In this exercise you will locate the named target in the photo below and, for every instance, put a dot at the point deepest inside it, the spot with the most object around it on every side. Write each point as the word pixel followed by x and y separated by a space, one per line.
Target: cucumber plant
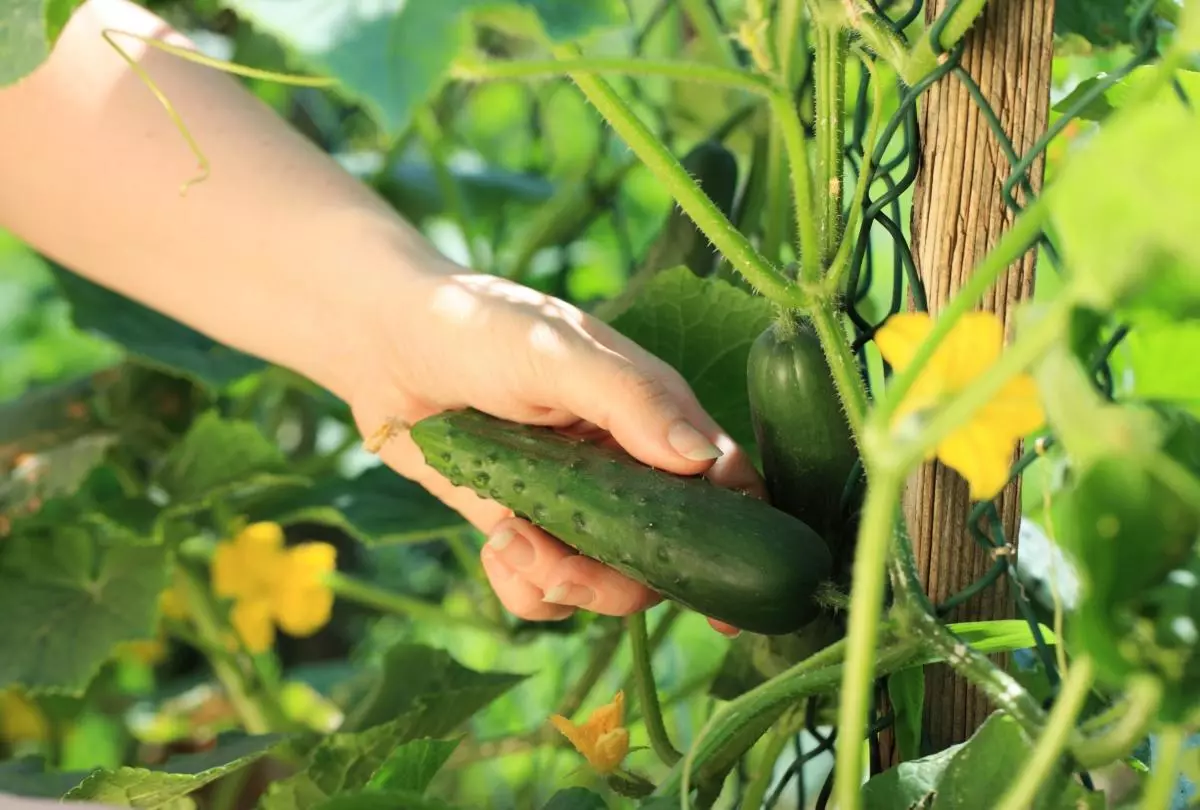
pixel 714 188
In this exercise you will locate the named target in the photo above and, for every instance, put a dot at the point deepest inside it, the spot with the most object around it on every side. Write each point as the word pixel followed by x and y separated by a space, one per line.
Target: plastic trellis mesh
pixel 897 175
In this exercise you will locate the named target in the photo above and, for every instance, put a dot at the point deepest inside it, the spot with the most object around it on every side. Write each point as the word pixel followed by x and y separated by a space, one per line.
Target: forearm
pixel 275 253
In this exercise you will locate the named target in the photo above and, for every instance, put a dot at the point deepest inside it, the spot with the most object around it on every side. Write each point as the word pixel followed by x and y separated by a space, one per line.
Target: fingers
pixel 560 575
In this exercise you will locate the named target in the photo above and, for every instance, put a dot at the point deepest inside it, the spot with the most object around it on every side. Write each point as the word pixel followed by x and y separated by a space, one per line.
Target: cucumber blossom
pixel 808 452
pixel 714 550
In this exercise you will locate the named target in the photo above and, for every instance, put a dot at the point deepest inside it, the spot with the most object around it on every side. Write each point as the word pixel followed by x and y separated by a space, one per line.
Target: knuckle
pixel 639 384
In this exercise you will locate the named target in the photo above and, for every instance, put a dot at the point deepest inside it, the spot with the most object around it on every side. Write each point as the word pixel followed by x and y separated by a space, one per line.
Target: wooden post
pixel 958 215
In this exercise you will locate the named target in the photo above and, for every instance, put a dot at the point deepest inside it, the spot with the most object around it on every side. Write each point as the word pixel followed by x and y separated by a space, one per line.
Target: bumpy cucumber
pixel 710 549
pixel 808 452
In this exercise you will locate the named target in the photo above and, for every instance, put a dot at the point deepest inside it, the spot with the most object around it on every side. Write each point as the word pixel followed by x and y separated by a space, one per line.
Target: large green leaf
pixel 412 766
pixel 383 800
pixel 436 692
pixel 159 788
pixel 704 328
pixel 67 601
pixel 392 56
pixel 972 774
pixel 376 506
pixel 1126 210
pixel 28 31
pixel 217 454
pixel 1119 92
pixel 575 798
pixel 28 776
pixel 906 691
pixel 151 337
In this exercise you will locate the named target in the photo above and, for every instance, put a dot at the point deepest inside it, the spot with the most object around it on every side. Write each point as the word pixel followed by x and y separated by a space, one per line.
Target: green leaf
pixel 217 454
pixel 392 56
pixel 376 506
pixel 999 636
pixel 971 774
pixel 906 691
pixel 67 600
pixel 1126 210
pixel 159 788
pixel 704 329
pixel 430 687
pixel 1100 22
pixel 28 777
pixel 1121 91
pixel 575 798
pixel 28 31
pixel 151 337
pixel 412 766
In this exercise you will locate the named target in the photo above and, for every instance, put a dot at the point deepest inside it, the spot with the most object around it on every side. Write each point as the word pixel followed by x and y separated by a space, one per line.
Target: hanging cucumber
pixel 808 452
pixel 716 551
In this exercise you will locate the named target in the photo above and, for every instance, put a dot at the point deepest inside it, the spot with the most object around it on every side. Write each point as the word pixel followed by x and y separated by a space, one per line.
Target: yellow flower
pixel 273 585
pixel 172 604
pixel 980 450
pixel 601 739
pixel 21 719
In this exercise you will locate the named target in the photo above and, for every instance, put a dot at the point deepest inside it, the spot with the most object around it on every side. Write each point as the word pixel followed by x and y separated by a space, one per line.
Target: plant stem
pixel 1165 770
pixel 643 676
pixel 788 22
pixel 427 127
pixel 775 213
pixel 921 59
pixel 866 604
pixel 1011 247
pixel 1046 753
pixel 842 366
pixel 841 260
pixel 363 593
pixel 253 715
pixel 708 29
pixel 831 45
pixel 682 187
pixel 756 791
pixel 1144 697
pixel 679 69
pixel 795 142
pixel 603 650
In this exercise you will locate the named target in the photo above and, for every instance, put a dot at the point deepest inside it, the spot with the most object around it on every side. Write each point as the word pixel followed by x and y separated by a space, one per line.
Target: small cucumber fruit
pixel 808 452
pixel 714 550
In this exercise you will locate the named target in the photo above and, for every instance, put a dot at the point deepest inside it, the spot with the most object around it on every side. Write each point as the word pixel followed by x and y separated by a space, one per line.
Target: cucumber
pixel 808 451
pixel 714 550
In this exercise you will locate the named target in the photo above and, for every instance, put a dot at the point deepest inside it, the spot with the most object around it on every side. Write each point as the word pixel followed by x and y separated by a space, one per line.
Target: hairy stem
pixel 643 676
pixel 922 59
pixel 736 248
pixel 794 141
pixel 866 605
pixel 831 42
pixel 1044 757
pixel 842 366
pixel 679 69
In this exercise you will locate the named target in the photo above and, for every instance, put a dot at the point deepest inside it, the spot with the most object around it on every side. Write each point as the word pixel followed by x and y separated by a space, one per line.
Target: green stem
pixel 657 637
pixel 708 29
pixel 866 604
pixel 756 791
pixel 643 676
pixel 1019 356
pixel 603 651
pixel 921 59
pixel 252 713
pixel 678 69
pixel 1011 247
pixel 795 142
pixel 681 186
pixel 788 23
pixel 1144 696
pixel 841 261
pixel 831 46
pixel 1164 773
pixel 363 593
pixel 842 366
pixel 877 33
pixel 1045 756
pixel 776 211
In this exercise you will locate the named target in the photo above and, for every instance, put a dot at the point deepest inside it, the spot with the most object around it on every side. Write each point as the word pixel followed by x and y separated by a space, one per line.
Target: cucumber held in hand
pixel 716 551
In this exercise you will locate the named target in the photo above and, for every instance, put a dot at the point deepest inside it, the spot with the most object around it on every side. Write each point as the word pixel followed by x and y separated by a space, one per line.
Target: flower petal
pixel 608 717
pixel 1017 409
pixel 579 736
pixel 900 335
pixel 302 611
pixel 610 750
pixel 970 349
pixel 309 562
pixel 980 456
pixel 252 620
pixel 246 565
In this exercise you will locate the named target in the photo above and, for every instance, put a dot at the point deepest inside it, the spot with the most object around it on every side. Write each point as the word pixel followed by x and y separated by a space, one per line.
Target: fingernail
pixel 514 549
pixel 690 443
pixel 570 595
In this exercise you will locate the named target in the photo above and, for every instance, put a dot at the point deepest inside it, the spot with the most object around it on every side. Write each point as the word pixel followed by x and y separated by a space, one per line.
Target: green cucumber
pixel 714 550
pixel 808 451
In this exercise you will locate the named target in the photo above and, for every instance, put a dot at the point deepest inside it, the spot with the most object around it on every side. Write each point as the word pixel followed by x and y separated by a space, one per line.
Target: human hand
pixel 480 341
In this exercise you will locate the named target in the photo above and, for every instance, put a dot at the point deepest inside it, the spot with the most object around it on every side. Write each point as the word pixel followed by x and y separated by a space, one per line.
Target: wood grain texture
pixel 958 216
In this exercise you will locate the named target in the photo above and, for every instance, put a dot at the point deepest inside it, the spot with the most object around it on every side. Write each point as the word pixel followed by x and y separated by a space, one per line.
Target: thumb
pixel 650 411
